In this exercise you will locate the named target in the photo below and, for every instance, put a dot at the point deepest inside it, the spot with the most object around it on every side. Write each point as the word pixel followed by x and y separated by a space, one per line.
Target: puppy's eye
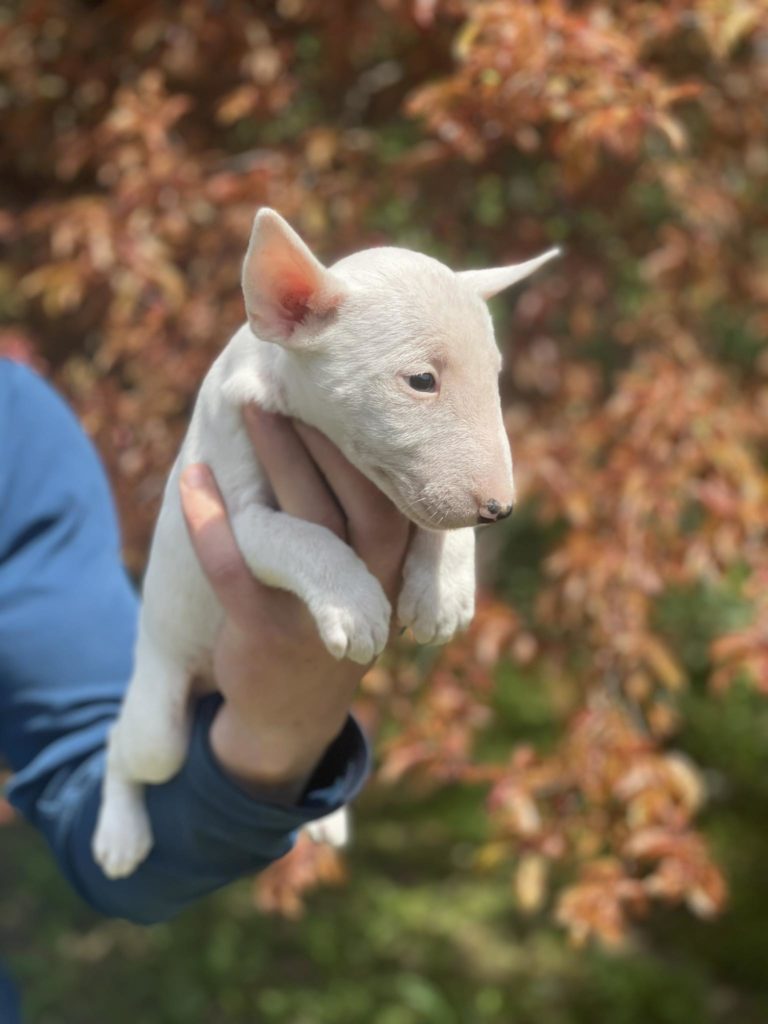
pixel 423 382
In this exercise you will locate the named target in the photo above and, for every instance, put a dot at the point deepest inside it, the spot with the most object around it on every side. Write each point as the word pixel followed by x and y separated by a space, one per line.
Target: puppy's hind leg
pixel 123 835
pixel 147 744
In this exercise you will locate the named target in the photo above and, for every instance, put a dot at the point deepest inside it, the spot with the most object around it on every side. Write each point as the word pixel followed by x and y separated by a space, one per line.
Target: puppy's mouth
pixel 416 509
pixel 409 497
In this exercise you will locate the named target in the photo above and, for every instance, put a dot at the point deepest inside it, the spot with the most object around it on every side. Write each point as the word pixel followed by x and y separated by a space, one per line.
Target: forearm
pixel 248 763
pixel 272 753
pixel 208 829
pixel 67 630
pixel 273 727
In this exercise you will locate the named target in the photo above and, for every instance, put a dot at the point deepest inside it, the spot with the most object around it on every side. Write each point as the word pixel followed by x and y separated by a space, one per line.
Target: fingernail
pixel 197 475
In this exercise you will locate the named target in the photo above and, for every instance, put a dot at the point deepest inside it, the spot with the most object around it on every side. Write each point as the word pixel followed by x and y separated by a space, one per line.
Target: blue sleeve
pixel 67 624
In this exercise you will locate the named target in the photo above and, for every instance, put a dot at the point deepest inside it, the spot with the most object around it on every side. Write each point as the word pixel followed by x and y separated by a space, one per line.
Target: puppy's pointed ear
pixel 283 284
pixel 488 283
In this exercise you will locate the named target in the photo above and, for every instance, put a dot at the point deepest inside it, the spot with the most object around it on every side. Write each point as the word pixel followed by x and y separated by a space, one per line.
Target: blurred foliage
pixel 630 595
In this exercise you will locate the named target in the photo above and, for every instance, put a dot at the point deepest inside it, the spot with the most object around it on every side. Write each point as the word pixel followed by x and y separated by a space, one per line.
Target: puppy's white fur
pixel 335 348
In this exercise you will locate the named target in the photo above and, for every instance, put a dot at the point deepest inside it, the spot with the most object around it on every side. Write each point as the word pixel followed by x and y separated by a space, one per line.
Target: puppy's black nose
pixel 491 511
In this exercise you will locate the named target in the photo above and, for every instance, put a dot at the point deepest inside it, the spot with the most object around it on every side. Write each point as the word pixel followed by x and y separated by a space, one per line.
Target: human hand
pixel 285 696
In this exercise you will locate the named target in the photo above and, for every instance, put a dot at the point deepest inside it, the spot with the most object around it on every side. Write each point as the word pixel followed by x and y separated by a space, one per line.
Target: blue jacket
pixel 67 625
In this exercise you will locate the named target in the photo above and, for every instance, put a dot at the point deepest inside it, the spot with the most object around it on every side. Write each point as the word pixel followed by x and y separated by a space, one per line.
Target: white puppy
pixel 392 356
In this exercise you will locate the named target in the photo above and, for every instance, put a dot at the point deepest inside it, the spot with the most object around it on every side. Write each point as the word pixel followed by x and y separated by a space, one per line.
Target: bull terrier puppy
pixel 392 356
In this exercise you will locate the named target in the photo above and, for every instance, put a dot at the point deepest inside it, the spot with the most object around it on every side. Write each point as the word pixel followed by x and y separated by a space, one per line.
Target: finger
pixel 241 595
pixel 360 499
pixel 376 529
pixel 298 485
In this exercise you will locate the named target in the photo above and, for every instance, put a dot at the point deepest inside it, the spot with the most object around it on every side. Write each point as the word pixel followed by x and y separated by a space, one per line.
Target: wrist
pixel 269 766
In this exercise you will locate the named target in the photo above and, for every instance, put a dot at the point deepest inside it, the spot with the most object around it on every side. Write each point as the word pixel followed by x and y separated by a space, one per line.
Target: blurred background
pixel 570 819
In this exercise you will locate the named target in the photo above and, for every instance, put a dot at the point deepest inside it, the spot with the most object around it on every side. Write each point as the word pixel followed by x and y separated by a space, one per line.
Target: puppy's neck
pixel 257 371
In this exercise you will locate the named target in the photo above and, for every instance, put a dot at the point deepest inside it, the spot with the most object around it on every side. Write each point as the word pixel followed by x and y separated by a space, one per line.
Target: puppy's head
pixel 392 355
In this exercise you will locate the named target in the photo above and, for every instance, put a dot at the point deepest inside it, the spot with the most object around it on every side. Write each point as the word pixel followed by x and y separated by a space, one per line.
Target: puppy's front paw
pixel 433 608
pixel 354 622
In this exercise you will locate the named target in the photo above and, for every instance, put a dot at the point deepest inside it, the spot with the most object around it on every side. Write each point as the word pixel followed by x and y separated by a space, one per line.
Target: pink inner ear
pixel 295 303
pixel 283 283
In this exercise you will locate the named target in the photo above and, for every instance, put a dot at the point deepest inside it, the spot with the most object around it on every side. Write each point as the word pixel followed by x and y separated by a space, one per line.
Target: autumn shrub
pixel 138 140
